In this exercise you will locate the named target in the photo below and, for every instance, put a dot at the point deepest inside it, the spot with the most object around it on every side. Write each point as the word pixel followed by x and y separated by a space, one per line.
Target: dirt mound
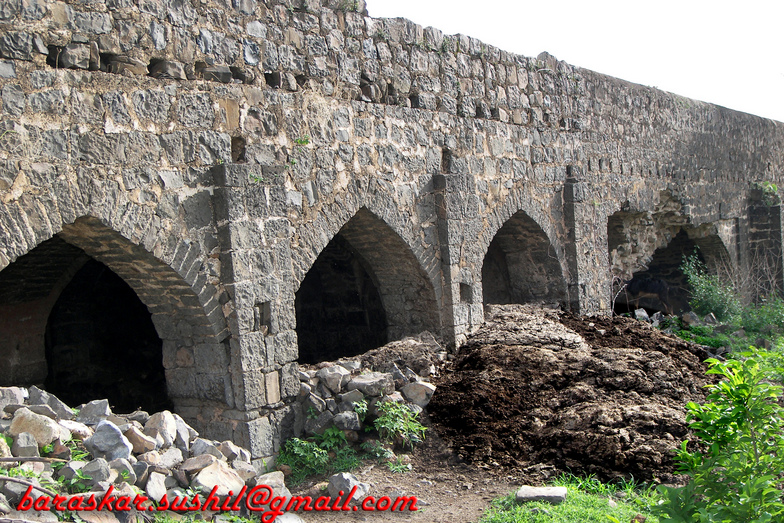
pixel 421 353
pixel 526 390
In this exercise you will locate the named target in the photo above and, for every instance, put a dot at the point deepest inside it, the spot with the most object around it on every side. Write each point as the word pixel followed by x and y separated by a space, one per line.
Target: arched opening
pixel 632 237
pixel 365 288
pixel 665 265
pixel 101 343
pixel 521 265
pixel 339 310
pixel 72 325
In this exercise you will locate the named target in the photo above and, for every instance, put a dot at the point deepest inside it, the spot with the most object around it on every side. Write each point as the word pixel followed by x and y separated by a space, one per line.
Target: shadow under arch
pixel 521 265
pixel 31 286
pixel 365 288
pixel 652 246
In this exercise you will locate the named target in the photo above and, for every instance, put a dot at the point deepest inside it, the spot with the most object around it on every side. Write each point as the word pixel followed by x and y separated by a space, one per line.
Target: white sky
pixel 727 53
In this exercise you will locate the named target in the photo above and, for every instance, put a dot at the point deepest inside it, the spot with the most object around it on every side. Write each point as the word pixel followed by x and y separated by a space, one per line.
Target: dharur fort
pixel 197 196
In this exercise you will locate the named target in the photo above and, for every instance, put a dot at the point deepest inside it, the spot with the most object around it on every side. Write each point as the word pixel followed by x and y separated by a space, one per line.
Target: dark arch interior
pixel 338 306
pixel 521 266
pixel 101 343
pixel 666 265
pixel 69 323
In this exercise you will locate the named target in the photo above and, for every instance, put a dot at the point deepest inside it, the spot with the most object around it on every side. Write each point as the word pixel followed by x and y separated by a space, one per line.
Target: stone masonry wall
pixel 208 151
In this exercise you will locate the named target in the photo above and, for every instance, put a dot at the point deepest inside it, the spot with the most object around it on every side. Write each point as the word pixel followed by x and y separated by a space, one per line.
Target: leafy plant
pixel 78 483
pixel 302 140
pixel 304 457
pixel 346 459
pixel 332 439
pixel 397 422
pixel 399 465
pixel 361 408
pixel 770 192
pixel 708 293
pixel 376 450
pixel 736 472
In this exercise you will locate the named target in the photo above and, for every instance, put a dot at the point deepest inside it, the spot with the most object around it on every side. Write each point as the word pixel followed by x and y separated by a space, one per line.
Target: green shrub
pixel 708 293
pixel 397 422
pixel 304 457
pixel 735 473
pixel 757 318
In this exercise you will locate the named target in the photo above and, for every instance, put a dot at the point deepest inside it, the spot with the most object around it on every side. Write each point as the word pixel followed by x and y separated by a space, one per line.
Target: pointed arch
pixel 365 288
pixel 96 221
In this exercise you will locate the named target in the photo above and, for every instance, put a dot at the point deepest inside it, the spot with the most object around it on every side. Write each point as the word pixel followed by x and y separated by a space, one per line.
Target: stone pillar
pixel 254 236
pixel 764 253
pixel 587 272
pixel 459 227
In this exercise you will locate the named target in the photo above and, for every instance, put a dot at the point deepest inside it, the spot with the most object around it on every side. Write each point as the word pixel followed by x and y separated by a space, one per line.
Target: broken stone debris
pixel 163 456
pixel 331 391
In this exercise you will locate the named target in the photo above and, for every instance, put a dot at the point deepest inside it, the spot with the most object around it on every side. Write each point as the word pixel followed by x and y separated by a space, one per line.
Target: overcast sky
pixel 727 53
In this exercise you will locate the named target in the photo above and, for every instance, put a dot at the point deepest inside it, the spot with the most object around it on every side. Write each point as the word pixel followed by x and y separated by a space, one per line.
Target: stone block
pixel 108 442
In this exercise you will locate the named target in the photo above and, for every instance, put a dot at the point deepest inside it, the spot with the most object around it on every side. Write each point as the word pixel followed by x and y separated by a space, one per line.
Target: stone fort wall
pixel 208 152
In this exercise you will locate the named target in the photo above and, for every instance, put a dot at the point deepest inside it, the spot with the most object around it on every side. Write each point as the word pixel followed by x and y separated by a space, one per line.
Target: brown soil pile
pixel 610 401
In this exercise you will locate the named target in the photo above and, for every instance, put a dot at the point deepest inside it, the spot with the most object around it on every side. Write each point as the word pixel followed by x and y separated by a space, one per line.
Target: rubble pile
pixel 399 371
pixel 92 450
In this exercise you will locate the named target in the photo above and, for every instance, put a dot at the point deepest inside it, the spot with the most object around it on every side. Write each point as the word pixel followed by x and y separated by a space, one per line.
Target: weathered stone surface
pixel 245 470
pixel 274 480
pixel 124 469
pixel 99 471
pixel 5 450
pixel 77 430
pixel 75 56
pixel 202 446
pixel 25 445
pixel 641 315
pixel 43 429
pixel 194 465
pixel 334 377
pixel 108 442
pixel 11 396
pixel 17 45
pixel 229 450
pixel 95 411
pixel 347 421
pixel 140 442
pixel 373 384
pixel 418 392
pixel 171 458
pixel 552 495
pixel 156 486
pixel 41 397
pixel 43 410
pixel 168 70
pixel 344 483
pixel 218 474
pixel 164 425
pixel 319 424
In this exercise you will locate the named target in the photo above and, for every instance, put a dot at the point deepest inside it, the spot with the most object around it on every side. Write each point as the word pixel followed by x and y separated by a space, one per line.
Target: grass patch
pixel 587 500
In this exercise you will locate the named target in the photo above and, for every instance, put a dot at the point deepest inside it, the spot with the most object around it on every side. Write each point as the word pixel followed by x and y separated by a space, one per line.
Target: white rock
pixel 218 474
pixel 164 425
pixel 44 430
pixel 552 495
pixel 419 392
